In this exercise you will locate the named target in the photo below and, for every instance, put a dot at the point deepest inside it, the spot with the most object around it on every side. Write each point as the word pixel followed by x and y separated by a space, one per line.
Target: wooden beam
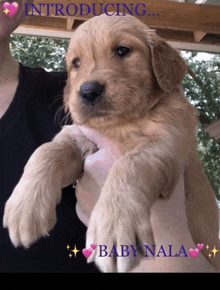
pixel 64 34
pixel 42 32
pixel 43 21
pixel 201 1
pixel 173 15
pixel 198 35
pixel 70 23
pixel 170 24
pixel 187 36
pixel 195 46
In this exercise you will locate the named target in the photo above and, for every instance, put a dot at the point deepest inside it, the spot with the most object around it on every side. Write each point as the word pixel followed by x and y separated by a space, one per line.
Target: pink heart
pixel 193 253
pixel 200 246
pixel 93 246
pixel 12 8
pixel 87 252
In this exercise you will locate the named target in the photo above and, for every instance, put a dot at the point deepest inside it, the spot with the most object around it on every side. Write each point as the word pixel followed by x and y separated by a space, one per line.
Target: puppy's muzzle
pixel 91 93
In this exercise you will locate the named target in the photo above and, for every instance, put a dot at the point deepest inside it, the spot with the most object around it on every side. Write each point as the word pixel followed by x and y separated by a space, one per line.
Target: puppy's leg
pixel 30 212
pixel 122 213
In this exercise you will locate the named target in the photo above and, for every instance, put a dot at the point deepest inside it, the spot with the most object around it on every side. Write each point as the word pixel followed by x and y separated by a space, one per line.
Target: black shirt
pixel 33 118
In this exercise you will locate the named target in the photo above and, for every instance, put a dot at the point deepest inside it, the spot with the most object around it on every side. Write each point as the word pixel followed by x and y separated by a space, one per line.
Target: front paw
pixel 30 213
pixel 115 222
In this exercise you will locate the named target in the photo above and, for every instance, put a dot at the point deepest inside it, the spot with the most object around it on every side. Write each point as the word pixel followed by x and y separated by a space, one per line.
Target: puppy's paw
pixel 30 212
pixel 114 225
pixel 88 148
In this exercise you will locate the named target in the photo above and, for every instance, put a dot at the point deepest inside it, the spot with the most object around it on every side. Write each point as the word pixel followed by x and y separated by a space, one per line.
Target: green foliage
pixel 209 151
pixel 40 52
pixel 203 92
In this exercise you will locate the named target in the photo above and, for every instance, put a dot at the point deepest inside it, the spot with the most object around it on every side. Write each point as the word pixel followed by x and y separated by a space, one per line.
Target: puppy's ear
pixel 168 66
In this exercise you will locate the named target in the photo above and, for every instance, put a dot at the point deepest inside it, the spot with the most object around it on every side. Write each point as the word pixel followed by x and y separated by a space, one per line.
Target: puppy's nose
pixel 91 93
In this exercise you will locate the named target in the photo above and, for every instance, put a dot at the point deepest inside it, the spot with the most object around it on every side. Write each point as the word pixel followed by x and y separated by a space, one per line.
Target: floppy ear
pixel 168 66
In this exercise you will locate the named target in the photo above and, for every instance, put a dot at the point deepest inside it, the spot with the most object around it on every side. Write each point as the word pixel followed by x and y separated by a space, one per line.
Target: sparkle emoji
pixel 10 9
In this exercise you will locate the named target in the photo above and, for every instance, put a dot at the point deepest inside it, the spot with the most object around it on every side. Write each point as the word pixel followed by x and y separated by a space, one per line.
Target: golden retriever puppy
pixel 124 81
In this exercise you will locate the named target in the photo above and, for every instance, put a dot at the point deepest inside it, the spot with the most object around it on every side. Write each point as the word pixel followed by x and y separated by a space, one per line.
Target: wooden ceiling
pixel 187 26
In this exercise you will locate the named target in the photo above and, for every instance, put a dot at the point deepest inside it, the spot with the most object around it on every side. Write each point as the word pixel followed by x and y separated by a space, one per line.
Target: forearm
pixel 73 147
pixel 68 155
pixel 62 158
pixel 132 186
pixel 31 209
pixel 153 167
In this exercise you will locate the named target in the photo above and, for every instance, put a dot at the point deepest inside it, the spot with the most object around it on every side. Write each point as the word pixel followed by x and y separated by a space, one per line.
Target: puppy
pixel 124 81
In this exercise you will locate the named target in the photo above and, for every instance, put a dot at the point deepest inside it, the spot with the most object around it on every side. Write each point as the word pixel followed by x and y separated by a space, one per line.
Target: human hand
pixel 96 169
pixel 168 217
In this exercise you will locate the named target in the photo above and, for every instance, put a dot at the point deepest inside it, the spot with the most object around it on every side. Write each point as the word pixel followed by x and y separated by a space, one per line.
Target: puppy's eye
pixel 122 51
pixel 76 63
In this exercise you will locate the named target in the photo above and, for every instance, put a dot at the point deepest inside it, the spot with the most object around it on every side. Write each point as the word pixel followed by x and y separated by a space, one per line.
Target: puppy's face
pixel 110 72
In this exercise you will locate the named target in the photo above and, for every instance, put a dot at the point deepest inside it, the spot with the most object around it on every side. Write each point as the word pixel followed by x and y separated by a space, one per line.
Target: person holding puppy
pixel 29 100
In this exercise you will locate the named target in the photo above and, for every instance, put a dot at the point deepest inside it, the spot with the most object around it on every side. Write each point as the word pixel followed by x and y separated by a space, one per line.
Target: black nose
pixel 91 93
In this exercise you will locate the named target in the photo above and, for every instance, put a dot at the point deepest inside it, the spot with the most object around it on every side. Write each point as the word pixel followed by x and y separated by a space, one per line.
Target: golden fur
pixel 145 112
